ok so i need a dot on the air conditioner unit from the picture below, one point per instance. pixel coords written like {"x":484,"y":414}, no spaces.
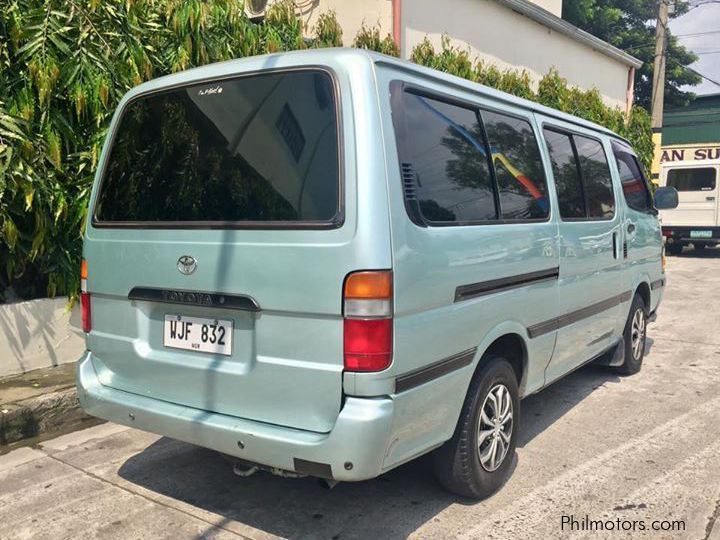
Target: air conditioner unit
{"x":255,"y":9}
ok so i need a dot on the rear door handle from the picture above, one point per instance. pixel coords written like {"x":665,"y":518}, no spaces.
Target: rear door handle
{"x":709,"y":198}
{"x":615,"y":246}
{"x":631,"y":228}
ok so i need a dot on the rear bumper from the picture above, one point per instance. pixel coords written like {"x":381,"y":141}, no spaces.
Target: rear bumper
{"x":683,"y":234}
{"x":353,"y":450}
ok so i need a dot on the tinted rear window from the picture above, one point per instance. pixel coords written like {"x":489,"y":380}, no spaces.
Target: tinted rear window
{"x":446,"y":149}
{"x":258,"y":148}
{"x":700,"y":179}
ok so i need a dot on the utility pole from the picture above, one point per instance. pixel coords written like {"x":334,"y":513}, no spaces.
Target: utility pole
{"x":658,"y":88}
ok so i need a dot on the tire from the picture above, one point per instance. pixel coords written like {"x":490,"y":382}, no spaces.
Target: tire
{"x":673,"y":249}
{"x":634,"y":335}
{"x":457,"y":464}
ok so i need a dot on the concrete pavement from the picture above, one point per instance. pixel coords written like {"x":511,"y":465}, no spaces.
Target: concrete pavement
{"x":642,"y":449}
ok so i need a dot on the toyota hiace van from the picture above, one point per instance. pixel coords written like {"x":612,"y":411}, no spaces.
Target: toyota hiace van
{"x":331,"y":262}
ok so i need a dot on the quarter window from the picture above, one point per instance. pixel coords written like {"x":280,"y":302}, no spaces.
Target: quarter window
{"x":695,"y":179}
{"x":518,"y":168}
{"x":567,"y":176}
{"x":595,"y":172}
{"x":444,"y":162}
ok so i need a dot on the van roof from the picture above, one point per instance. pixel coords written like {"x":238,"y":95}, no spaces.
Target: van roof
{"x":319,"y":57}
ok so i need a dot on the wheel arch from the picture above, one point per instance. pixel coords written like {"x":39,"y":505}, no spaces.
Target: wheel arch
{"x":508,"y":342}
{"x":643,"y":289}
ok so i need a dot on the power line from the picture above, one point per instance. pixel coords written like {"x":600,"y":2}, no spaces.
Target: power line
{"x":703,"y":76}
{"x":694,"y":34}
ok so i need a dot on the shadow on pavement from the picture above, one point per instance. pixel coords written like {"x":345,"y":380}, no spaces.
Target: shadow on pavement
{"x":391,"y":506}
{"x":692,"y":253}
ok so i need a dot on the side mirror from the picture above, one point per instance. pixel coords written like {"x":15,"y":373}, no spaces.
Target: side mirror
{"x":666,"y":198}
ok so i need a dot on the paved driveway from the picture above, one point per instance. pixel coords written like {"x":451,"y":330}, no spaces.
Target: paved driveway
{"x":639,"y":450}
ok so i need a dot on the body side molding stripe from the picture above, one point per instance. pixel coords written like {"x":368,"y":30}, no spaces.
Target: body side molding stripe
{"x":574,"y":316}
{"x":482,"y":288}
{"x":194,"y":298}
{"x":433,"y":371}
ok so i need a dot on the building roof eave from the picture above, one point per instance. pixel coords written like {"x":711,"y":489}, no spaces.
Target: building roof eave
{"x":553,"y":22}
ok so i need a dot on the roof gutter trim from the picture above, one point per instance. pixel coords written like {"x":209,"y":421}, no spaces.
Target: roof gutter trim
{"x":540,"y":15}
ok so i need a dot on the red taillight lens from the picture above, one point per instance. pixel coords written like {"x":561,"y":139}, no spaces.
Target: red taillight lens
{"x":368,"y":344}
{"x":84,"y":298}
{"x":367,"y":306}
{"x":85,"y":312}
{"x":666,"y":232}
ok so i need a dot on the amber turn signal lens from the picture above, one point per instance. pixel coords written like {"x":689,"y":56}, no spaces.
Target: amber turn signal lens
{"x":83,"y":269}
{"x":371,"y":285}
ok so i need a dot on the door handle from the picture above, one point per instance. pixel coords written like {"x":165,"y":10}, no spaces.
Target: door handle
{"x":615,"y":246}
{"x":709,"y":198}
{"x":631,"y":228}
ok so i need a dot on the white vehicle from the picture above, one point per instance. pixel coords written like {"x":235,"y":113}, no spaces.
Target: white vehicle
{"x":696,"y":220}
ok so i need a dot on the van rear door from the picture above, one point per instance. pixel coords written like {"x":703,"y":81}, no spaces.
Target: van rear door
{"x":218,"y":245}
{"x":697,"y":187}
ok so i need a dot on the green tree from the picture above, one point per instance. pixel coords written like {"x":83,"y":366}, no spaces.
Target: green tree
{"x":630,"y":26}
{"x":64,"y":65}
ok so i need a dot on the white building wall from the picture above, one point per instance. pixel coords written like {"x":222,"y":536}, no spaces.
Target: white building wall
{"x":491,"y":32}
{"x":350,"y":14}
{"x":553,"y":6}
{"x":511,"y":40}
{"x":39,"y":333}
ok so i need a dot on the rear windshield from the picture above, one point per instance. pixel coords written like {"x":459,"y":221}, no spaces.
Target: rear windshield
{"x":699,"y":179}
{"x":254,"y":149}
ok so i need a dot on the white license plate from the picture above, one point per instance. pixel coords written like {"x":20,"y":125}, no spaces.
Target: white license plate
{"x":700,"y":234}
{"x":198,"y":334}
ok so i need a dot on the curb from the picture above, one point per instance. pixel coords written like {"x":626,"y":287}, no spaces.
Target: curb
{"x":33,"y":417}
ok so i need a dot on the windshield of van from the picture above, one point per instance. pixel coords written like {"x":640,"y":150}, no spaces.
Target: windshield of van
{"x":261,"y":148}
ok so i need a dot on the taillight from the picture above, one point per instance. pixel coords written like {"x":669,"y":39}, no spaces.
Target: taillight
{"x":666,"y":232}
{"x":367,"y":308}
{"x":85,"y":298}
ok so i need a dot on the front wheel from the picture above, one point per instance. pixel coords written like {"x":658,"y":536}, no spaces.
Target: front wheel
{"x":477,"y":460}
{"x":634,"y":336}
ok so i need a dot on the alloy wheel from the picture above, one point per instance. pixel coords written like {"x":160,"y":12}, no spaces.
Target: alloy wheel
{"x":495,"y":427}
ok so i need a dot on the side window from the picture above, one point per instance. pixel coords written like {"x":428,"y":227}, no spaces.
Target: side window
{"x":695,"y":179}
{"x":595,"y":172}
{"x":518,"y":168}
{"x":567,"y":176}
{"x":443,"y":150}
{"x":637,"y":195}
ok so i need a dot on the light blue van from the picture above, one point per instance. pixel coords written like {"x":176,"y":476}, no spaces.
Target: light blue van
{"x":331,"y":262}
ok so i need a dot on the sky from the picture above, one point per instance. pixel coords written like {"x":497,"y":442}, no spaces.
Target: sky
{"x":703,"y":20}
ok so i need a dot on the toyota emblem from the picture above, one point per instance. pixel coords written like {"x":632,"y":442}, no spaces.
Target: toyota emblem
{"x":186,"y":265}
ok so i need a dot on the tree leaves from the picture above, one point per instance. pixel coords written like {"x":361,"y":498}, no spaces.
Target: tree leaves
{"x":630,"y":25}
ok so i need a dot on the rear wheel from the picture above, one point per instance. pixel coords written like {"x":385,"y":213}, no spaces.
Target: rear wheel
{"x":477,"y":460}
{"x":634,"y":336}
{"x":673,"y":249}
